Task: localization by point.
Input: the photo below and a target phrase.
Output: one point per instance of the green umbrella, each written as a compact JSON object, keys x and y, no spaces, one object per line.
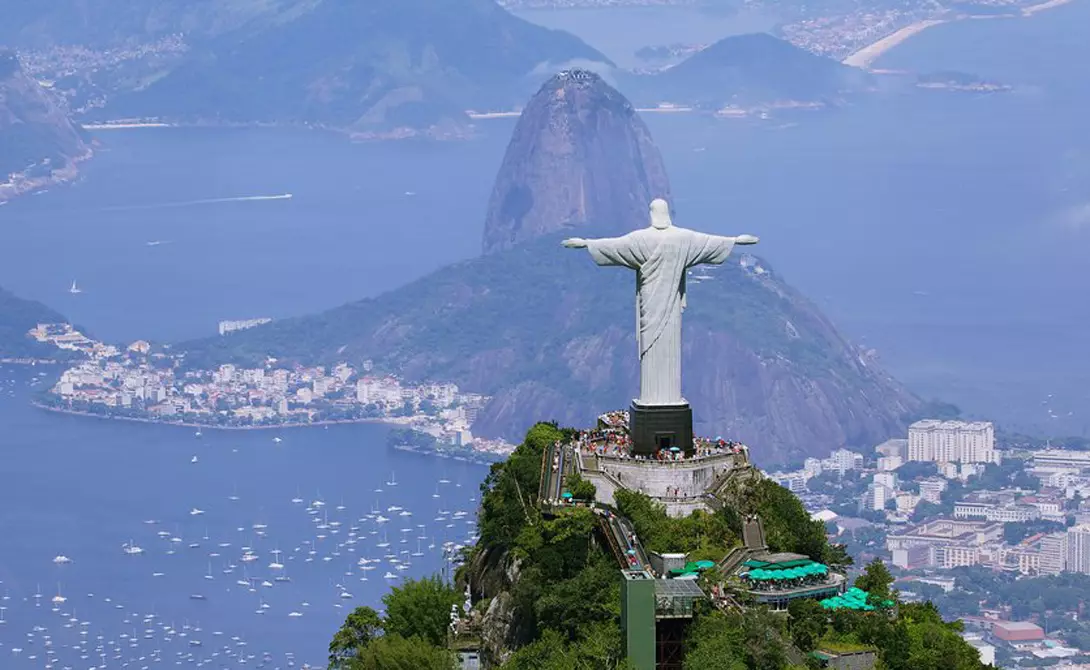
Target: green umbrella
{"x":704,"y":565}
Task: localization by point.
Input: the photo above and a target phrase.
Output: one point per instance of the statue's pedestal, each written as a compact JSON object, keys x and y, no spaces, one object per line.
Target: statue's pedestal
{"x":655,"y":427}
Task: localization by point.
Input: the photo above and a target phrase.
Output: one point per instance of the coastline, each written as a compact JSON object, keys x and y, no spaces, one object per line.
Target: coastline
{"x":393,"y":421}
{"x":872,"y":52}
{"x":865,"y":57}
{"x":20,"y":185}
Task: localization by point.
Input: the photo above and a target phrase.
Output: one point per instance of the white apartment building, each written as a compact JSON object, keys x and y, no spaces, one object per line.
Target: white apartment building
{"x":1078,"y":549}
{"x":1053,"y":549}
{"x":878,"y":495}
{"x":843,"y":460}
{"x":931,"y":490}
{"x":952,"y":441}
{"x":890,"y":463}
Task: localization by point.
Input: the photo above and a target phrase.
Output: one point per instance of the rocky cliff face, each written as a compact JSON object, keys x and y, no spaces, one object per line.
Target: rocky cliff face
{"x":580,"y":155}
{"x":38,"y":142}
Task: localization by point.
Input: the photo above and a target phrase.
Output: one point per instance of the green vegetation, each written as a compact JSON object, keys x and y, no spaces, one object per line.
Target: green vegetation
{"x":580,"y":488}
{"x":559,"y":588}
{"x":753,"y":641}
{"x":34,"y":130}
{"x":702,"y":535}
{"x":17,"y":316}
{"x":411,"y":637}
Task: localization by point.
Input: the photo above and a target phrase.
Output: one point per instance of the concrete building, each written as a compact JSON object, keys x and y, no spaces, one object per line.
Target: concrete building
{"x":843,"y":460}
{"x":942,"y":543}
{"x":1017,"y":631}
{"x":1053,"y":550}
{"x":1061,"y":458}
{"x":890,"y":463}
{"x":887,"y":479}
{"x":877,"y":496}
{"x":1078,"y":549}
{"x":952,"y":441}
{"x":931,"y":490}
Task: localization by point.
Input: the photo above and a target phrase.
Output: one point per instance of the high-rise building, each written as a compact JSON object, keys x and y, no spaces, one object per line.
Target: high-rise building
{"x":1053,"y":553}
{"x":952,"y":441}
{"x":1078,"y":549}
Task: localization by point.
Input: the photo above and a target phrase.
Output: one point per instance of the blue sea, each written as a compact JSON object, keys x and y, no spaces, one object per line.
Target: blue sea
{"x":947,"y":231}
{"x":85,"y":488}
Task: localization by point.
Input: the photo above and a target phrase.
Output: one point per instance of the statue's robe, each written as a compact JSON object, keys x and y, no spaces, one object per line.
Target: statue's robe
{"x":660,"y":259}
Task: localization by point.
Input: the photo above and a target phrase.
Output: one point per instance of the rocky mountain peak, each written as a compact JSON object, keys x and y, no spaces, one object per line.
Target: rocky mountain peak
{"x":580,"y":155}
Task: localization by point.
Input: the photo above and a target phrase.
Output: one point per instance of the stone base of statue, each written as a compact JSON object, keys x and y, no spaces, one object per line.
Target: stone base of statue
{"x":656,"y":427}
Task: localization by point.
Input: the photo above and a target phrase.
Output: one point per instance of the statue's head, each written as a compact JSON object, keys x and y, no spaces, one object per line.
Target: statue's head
{"x":660,"y":214}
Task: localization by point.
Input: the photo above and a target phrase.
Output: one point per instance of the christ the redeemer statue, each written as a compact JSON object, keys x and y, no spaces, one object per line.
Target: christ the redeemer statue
{"x":660,"y":255}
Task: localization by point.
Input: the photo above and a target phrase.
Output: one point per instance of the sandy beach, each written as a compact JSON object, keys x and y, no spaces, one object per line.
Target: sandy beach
{"x":870,"y":53}
{"x":122,"y":126}
{"x":1051,"y":4}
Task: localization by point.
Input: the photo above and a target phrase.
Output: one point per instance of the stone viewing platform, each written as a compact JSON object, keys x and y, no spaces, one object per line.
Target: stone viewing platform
{"x":681,"y":482}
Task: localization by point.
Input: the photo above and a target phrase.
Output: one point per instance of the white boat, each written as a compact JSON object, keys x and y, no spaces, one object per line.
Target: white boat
{"x":75,"y":289}
{"x":196,"y":512}
{"x":193,"y":460}
{"x":389,"y":575}
{"x":295,"y":614}
{"x":277,"y":440}
{"x":131,"y":549}
{"x":393,"y":480}
{"x":61,"y":559}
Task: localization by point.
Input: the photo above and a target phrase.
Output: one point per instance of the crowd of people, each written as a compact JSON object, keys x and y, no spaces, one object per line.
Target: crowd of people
{"x":616,"y":443}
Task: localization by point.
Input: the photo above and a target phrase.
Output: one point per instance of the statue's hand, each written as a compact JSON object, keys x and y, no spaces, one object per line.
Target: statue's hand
{"x":746,"y":239}
{"x":575,"y":243}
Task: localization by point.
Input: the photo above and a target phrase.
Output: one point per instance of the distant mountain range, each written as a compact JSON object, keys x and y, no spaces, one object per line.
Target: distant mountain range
{"x":548,"y":334}
{"x":38,"y":142}
{"x":373,"y":66}
{"x":112,"y":23}
{"x":17,"y":316}
{"x":389,"y":68}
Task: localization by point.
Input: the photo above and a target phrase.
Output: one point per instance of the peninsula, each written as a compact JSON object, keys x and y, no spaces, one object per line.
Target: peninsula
{"x":153,"y":386}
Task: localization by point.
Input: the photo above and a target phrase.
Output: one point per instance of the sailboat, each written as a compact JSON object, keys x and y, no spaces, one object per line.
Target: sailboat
{"x":393,"y":480}
{"x":75,"y":289}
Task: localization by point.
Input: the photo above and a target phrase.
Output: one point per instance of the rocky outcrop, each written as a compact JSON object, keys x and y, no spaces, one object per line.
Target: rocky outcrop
{"x":39,"y":144}
{"x":580,"y":155}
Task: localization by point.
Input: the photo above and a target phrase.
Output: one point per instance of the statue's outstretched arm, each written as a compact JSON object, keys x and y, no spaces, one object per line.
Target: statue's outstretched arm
{"x":623,"y":251}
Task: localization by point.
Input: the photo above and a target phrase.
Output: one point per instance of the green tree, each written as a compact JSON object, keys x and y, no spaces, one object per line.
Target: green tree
{"x":360,"y":627}
{"x":509,"y":492}
{"x":806,"y":622}
{"x":420,"y":608}
{"x":393,"y":652}
{"x":876,"y":580}
{"x":580,"y":488}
